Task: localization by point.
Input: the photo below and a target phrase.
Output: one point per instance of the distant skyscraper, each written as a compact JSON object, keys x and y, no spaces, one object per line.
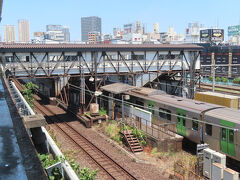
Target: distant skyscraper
{"x":90,"y":24}
{"x":57,"y":33}
{"x":66,"y":33}
{"x":9,"y":33}
{"x":23,"y":31}
{"x":156,"y":28}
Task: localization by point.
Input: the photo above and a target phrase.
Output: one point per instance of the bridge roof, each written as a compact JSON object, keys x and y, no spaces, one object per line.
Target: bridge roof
{"x":23,"y":47}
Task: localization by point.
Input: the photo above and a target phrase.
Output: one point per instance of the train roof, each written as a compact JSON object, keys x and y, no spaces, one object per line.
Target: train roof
{"x":179,"y":102}
{"x":225,"y":113}
{"x":160,"y":96}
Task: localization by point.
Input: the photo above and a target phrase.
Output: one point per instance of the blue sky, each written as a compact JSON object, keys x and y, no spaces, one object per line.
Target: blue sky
{"x":176,"y":13}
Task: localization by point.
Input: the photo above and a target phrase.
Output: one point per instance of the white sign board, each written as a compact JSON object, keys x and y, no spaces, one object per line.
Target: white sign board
{"x":145,"y":116}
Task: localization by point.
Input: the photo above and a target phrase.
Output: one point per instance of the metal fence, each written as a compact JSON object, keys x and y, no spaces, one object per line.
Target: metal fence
{"x":161,"y":131}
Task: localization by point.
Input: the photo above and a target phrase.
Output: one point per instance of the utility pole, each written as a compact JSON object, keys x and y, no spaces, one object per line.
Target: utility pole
{"x":213,"y":81}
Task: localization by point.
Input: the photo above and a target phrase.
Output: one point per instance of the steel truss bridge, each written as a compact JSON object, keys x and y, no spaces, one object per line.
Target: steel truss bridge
{"x":143,"y":63}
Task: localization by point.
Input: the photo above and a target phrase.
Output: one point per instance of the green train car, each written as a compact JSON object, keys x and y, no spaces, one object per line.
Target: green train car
{"x":200,"y":122}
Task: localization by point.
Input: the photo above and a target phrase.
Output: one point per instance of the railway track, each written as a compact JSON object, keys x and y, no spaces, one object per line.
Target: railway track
{"x":226,"y":90}
{"x":101,"y":159}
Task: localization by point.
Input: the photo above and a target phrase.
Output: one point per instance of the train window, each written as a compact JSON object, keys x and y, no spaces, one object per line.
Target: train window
{"x":224,"y":134}
{"x":184,"y":122}
{"x":165,"y":114}
{"x":140,"y":103}
{"x":231,"y":136}
{"x":209,"y":129}
{"x":195,"y":125}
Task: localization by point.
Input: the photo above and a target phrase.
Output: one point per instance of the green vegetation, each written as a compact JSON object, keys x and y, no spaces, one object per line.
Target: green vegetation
{"x":141,"y":136}
{"x":87,"y":174}
{"x":113,"y":131}
{"x":83,"y":174}
{"x":102,"y":111}
{"x":29,"y":90}
{"x":47,"y":161}
{"x":210,"y":78}
{"x":225,"y":80}
{"x":218,"y":79}
{"x":236,"y":80}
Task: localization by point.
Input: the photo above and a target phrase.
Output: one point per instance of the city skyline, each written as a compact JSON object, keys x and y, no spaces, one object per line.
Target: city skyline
{"x":219,"y":13}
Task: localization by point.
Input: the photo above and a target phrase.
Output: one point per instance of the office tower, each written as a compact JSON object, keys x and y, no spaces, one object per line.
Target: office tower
{"x":90,"y":24}
{"x":23,"y":31}
{"x":9,"y":33}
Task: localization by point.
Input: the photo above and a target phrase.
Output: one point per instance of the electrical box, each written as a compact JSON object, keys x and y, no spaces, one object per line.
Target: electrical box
{"x":217,"y":171}
{"x":229,"y":174}
{"x":207,"y":162}
{"x":219,"y":158}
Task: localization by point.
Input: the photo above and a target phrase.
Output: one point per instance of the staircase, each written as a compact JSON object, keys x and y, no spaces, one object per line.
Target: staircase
{"x":132,"y":141}
{"x":143,"y":79}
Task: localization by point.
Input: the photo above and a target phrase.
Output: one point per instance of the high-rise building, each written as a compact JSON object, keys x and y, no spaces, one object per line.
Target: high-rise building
{"x":9,"y":33}
{"x":66,"y":33}
{"x":94,"y":37}
{"x":90,"y":24}
{"x":57,"y":33}
{"x":23,"y":31}
{"x":155,"y":27}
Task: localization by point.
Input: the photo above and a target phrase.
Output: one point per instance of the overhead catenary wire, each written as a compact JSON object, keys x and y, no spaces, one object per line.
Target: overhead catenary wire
{"x":150,"y":109}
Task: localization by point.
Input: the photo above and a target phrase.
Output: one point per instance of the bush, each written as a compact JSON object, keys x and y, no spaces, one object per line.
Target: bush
{"x":218,"y":79}
{"x":225,"y":80}
{"x":210,"y":78}
{"x":236,"y":80}
{"x":87,"y":174}
{"x":29,"y":90}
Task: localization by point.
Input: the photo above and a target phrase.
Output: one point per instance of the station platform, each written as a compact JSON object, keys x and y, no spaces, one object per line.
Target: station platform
{"x":18,"y":158}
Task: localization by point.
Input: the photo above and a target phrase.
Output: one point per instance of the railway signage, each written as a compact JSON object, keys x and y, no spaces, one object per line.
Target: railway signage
{"x":145,"y":116}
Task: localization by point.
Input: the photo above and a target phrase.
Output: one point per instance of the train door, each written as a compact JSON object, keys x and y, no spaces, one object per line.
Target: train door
{"x":227,"y":137}
{"x":181,"y":122}
{"x":227,"y":141}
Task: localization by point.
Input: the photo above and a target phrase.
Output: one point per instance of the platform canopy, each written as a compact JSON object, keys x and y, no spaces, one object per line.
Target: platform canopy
{"x":118,"y":88}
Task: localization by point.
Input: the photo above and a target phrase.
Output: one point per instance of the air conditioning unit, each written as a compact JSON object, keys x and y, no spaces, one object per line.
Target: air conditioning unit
{"x":207,"y":162}
{"x":219,"y":158}
{"x":229,"y":174}
{"x":217,"y":171}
